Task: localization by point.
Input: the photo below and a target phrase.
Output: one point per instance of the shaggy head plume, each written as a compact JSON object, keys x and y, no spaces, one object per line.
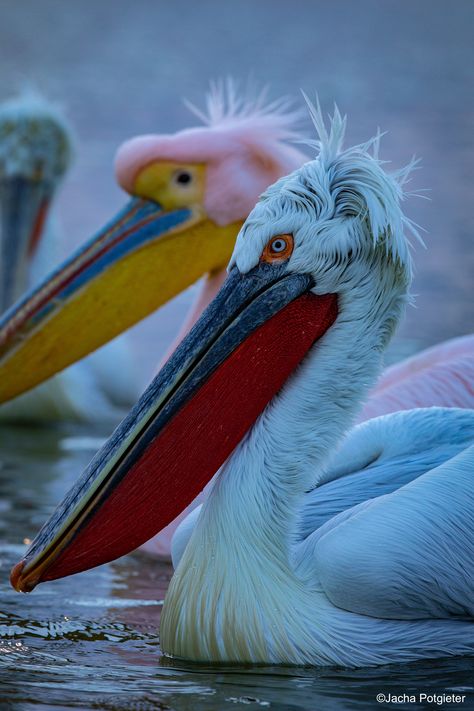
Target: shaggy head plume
{"x":348,"y":196}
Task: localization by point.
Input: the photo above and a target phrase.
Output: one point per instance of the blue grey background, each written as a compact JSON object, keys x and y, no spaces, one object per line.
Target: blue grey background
{"x":120,"y":68}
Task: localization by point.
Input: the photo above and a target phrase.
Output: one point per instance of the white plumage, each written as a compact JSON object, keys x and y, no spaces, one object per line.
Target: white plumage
{"x":376,"y":458}
{"x":375,"y":564}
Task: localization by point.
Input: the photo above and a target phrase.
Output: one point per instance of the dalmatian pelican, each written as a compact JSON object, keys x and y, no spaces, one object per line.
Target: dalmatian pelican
{"x":262,"y":390}
{"x":35,"y":154}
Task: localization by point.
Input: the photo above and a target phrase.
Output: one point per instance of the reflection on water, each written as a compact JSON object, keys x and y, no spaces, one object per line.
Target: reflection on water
{"x":91,"y":641}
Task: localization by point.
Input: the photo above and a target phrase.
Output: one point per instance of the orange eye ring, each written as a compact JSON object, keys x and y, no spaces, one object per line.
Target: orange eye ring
{"x":278,"y":249}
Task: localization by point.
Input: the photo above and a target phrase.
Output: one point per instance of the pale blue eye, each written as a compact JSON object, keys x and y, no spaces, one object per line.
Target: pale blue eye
{"x":278,"y":245}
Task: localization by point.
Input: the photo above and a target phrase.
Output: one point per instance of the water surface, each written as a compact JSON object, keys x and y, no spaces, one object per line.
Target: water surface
{"x":91,"y":641}
{"x":121,"y":68}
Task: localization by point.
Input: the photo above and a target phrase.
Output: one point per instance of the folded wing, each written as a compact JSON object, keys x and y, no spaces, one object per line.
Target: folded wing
{"x":407,"y":554}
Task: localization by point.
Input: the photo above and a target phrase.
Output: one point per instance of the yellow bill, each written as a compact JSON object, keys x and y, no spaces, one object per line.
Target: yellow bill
{"x":145,"y":256}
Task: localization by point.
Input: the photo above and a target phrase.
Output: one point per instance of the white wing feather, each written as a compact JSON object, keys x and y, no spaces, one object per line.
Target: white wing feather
{"x":383,"y":454}
{"x":408,"y":554}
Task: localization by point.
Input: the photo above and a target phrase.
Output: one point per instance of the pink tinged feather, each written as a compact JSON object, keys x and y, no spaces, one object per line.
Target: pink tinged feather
{"x":440,"y":376}
{"x":241,"y":164}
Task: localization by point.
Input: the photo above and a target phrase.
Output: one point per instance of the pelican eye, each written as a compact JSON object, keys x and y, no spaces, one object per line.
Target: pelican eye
{"x":278,"y":249}
{"x":183,"y":177}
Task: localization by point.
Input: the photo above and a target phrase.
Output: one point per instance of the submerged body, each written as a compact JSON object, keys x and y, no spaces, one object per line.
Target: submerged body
{"x":361,"y":570}
{"x":322,"y":579}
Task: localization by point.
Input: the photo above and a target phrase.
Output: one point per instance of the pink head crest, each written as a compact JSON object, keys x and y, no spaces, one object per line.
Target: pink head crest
{"x":244,"y":144}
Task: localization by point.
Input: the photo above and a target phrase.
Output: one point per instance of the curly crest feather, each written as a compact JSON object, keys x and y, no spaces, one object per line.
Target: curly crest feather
{"x":359,"y":185}
{"x":346,"y":193}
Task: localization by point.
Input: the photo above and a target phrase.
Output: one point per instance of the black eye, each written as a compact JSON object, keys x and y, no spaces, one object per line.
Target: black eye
{"x":183,"y":177}
{"x":278,"y":245}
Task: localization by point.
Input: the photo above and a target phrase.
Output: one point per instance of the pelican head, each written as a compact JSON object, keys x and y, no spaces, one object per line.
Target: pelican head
{"x":191,"y":192}
{"x":318,"y":279}
{"x":35,"y":152}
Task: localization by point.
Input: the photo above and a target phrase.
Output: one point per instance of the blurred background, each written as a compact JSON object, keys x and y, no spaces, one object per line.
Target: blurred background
{"x":120,"y":68}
